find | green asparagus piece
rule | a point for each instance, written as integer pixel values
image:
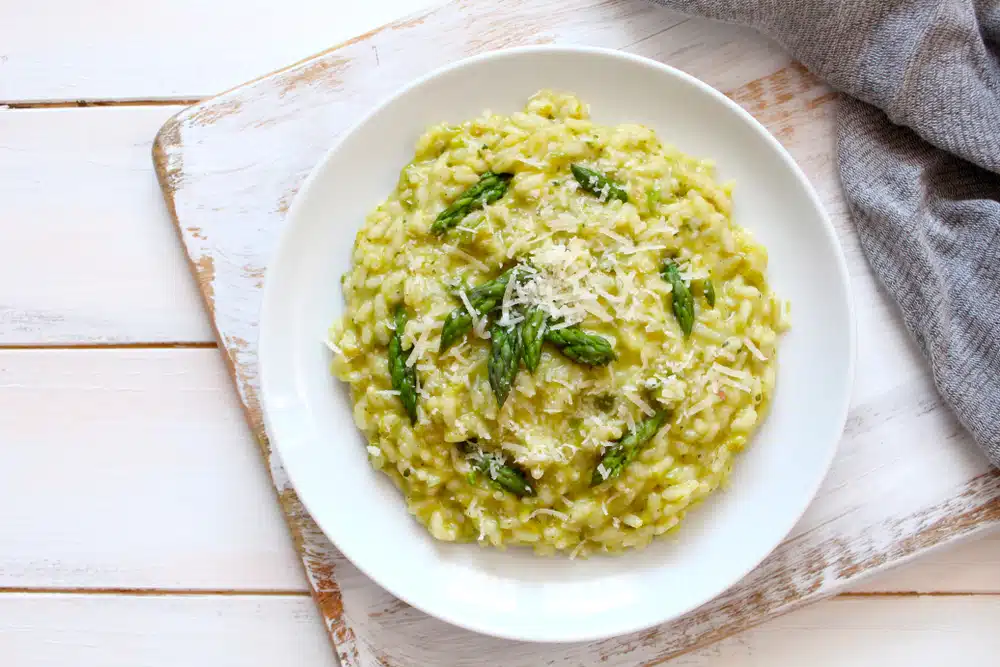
(582, 347)
(709, 290)
(483, 298)
(504, 361)
(532, 337)
(623, 452)
(501, 475)
(705, 288)
(459, 322)
(492, 289)
(490, 188)
(598, 184)
(404, 379)
(683, 302)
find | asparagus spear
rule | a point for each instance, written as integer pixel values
(404, 378)
(683, 302)
(501, 475)
(709, 290)
(582, 347)
(490, 188)
(598, 184)
(705, 288)
(483, 299)
(532, 337)
(623, 452)
(504, 361)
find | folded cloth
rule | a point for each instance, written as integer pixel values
(919, 157)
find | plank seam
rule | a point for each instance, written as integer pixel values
(154, 592)
(83, 104)
(916, 594)
(179, 345)
(250, 592)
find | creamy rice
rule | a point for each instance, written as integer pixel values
(601, 259)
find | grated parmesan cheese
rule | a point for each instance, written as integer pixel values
(615, 237)
(627, 414)
(458, 252)
(545, 510)
(630, 394)
(703, 404)
(730, 382)
(505, 304)
(738, 375)
(425, 327)
(754, 350)
(473, 313)
(642, 248)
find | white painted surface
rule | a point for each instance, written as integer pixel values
(42, 630)
(39, 630)
(88, 250)
(182, 49)
(133, 468)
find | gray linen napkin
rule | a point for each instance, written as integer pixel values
(919, 155)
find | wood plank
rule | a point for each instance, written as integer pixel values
(248, 631)
(864, 633)
(133, 468)
(39, 630)
(971, 566)
(63, 50)
(90, 254)
(151, 445)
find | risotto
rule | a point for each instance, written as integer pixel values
(554, 334)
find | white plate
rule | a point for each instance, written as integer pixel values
(515, 594)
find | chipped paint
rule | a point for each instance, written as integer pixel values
(779, 100)
(167, 157)
(205, 274)
(286, 201)
(324, 72)
(213, 111)
(255, 274)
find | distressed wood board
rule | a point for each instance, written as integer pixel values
(906, 478)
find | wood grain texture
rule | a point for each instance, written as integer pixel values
(39, 630)
(90, 255)
(970, 566)
(131, 469)
(64, 50)
(230, 167)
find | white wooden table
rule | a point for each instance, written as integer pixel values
(138, 527)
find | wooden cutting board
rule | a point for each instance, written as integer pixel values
(906, 479)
